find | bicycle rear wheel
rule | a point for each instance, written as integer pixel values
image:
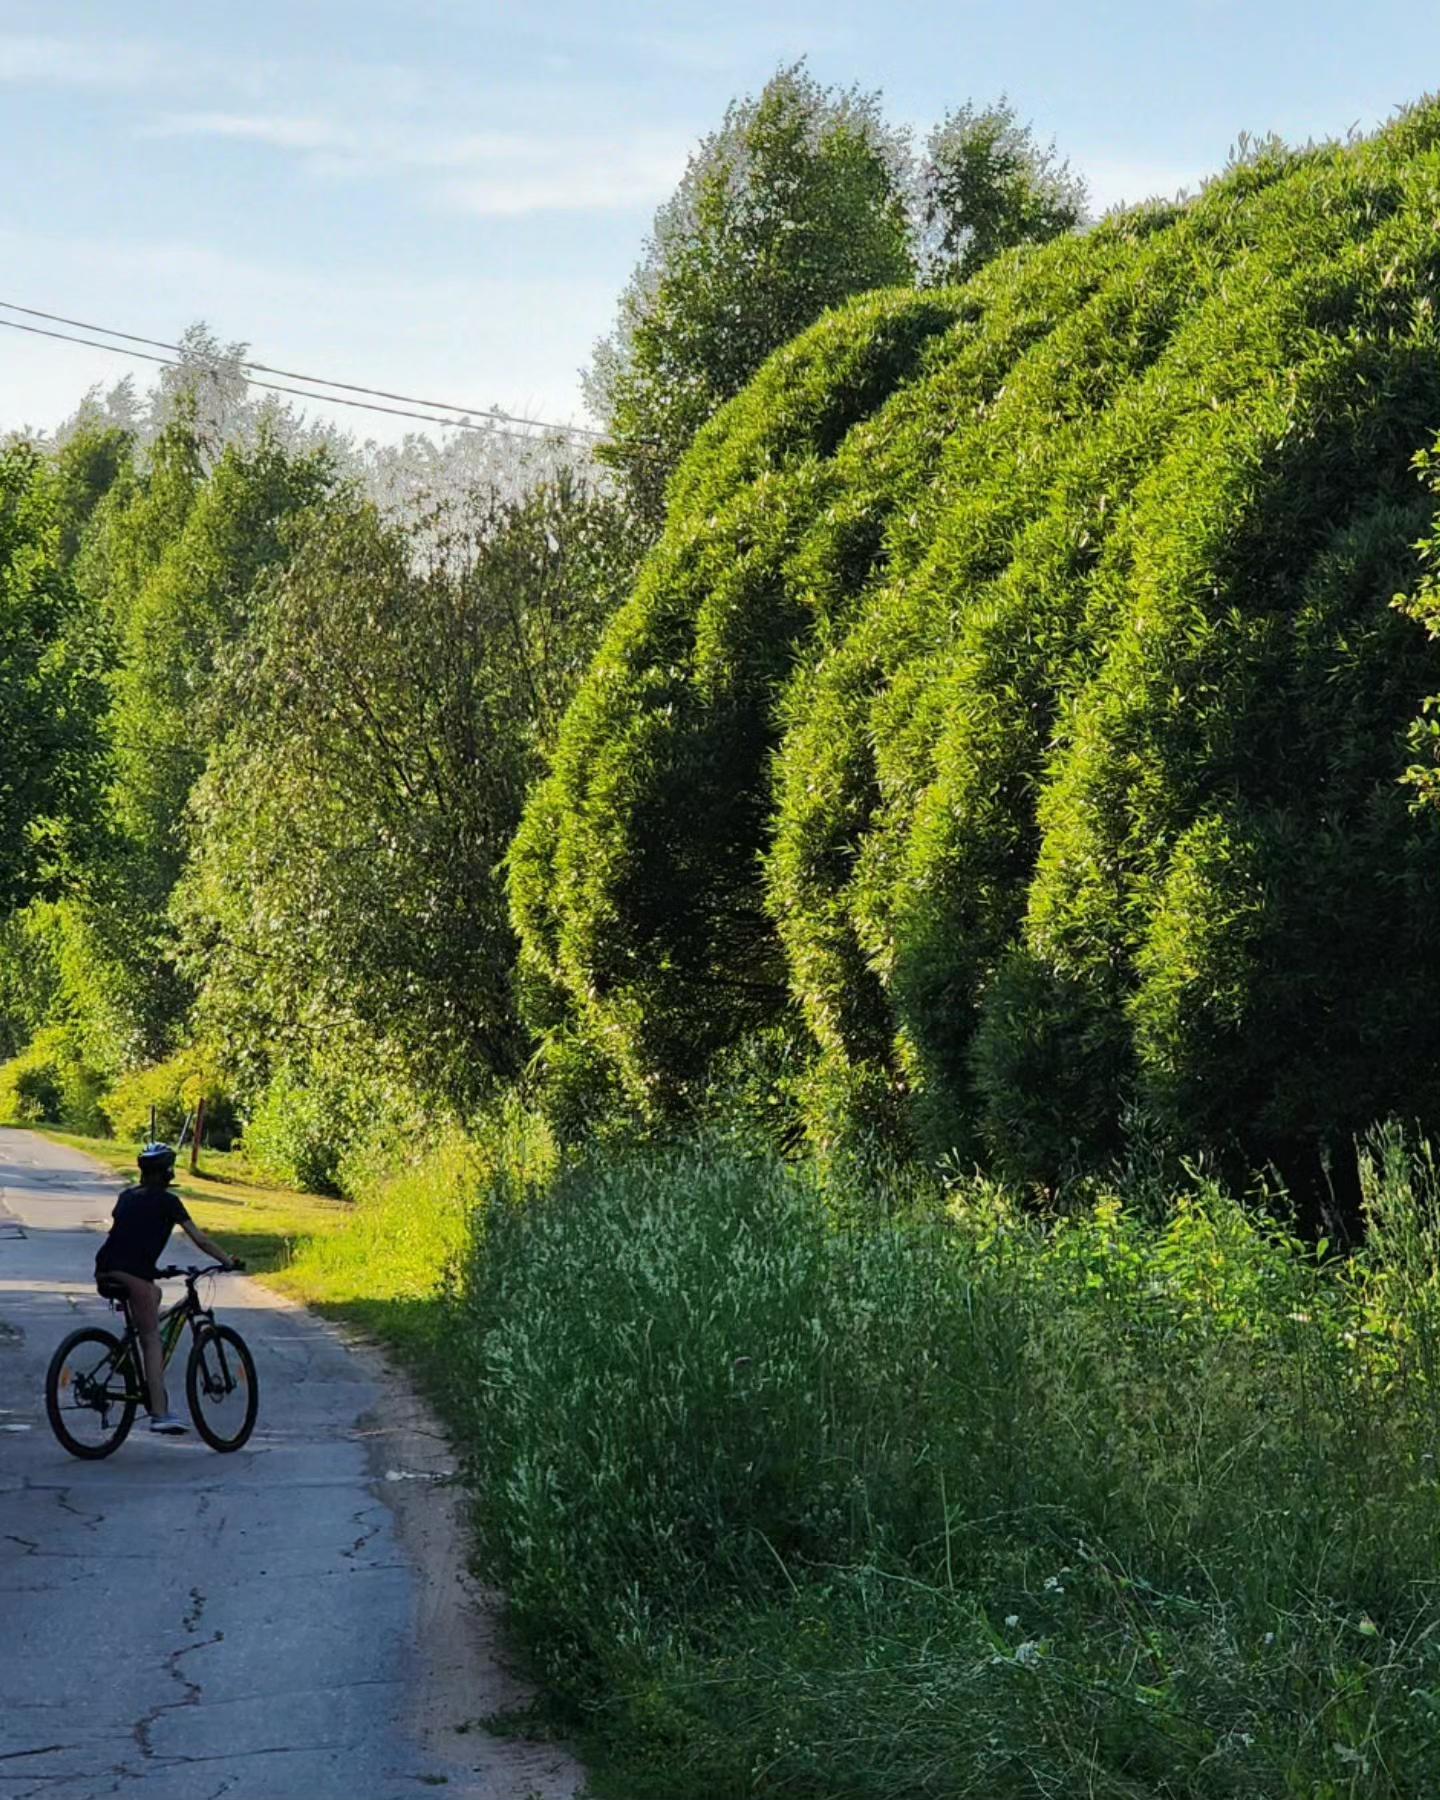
(91, 1393)
(222, 1387)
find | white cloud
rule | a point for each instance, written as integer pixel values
(280, 132)
(29, 59)
(572, 175)
(494, 173)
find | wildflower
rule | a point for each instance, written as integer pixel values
(1027, 1654)
(1011, 1621)
(1269, 1637)
(1053, 1585)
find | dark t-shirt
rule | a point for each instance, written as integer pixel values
(143, 1218)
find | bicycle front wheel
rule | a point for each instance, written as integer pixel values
(91, 1393)
(221, 1386)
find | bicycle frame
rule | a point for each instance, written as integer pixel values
(128, 1361)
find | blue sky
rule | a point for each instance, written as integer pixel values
(445, 196)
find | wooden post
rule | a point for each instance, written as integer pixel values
(152, 1121)
(199, 1131)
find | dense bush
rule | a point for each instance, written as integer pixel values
(50, 1082)
(339, 1120)
(1015, 711)
(790, 1500)
(174, 1090)
(296, 1131)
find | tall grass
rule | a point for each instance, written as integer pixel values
(794, 1495)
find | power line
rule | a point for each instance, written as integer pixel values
(177, 361)
(273, 387)
(493, 412)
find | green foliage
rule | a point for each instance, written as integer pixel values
(988, 186)
(337, 1120)
(297, 1130)
(1014, 712)
(140, 515)
(173, 1089)
(29, 975)
(50, 683)
(388, 713)
(796, 203)
(194, 602)
(173, 561)
(86, 467)
(787, 1498)
(652, 794)
(50, 1082)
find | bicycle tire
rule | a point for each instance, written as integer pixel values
(220, 1339)
(55, 1412)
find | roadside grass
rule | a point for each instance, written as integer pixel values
(376, 1263)
(252, 1219)
(385, 1265)
(795, 1492)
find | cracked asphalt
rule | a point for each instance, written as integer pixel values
(260, 1624)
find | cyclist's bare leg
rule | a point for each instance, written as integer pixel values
(145, 1311)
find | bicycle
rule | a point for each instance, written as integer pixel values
(95, 1374)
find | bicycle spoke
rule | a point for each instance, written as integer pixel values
(92, 1391)
(220, 1384)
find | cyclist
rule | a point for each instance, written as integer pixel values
(144, 1217)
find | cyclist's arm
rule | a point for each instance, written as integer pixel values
(205, 1244)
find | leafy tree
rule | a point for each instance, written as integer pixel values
(987, 185)
(798, 201)
(1014, 711)
(50, 681)
(87, 466)
(196, 600)
(391, 711)
(173, 562)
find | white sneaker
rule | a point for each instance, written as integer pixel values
(167, 1425)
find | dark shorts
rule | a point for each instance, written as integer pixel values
(104, 1269)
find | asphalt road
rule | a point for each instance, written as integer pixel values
(259, 1624)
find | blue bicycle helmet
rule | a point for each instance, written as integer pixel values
(155, 1159)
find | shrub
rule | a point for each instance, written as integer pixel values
(340, 1121)
(174, 1089)
(1016, 686)
(395, 1260)
(294, 1134)
(50, 1083)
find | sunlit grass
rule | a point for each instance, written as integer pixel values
(376, 1263)
(253, 1220)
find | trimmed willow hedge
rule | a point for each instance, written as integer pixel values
(1015, 712)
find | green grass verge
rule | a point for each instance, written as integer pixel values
(252, 1219)
(375, 1264)
(791, 1492)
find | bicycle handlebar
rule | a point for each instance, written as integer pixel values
(195, 1274)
